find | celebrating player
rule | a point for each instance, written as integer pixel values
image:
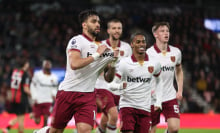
(86, 59)
(170, 59)
(136, 72)
(108, 100)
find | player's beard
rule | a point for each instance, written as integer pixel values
(93, 32)
(114, 38)
(47, 70)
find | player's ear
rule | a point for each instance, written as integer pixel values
(155, 35)
(83, 24)
(108, 31)
(132, 45)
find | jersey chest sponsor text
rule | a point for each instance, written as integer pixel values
(167, 68)
(107, 54)
(138, 79)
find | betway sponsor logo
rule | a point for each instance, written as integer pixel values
(138, 79)
(167, 68)
(103, 55)
(107, 54)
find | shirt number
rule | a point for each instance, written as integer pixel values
(16, 80)
(176, 109)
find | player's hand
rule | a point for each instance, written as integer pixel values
(101, 49)
(116, 53)
(124, 85)
(156, 108)
(179, 96)
(117, 86)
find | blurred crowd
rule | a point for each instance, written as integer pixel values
(38, 30)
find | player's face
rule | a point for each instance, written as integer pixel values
(92, 25)
(139, 44)
(115, 30)
(47, 65)
(26, 66)
(162, 34)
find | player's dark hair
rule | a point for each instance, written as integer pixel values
(84, 15)
(21, 62)
(138, 33)
(158, 24)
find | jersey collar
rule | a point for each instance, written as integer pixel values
(135, 60)
(158, 50)
(89, 39)
(108, 42)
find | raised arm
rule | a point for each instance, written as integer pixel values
(76, 62)
(109, 71)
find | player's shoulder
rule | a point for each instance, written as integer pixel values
(39, 72)
(126, 46)
(152, 60)
(125, 59)
(53, 75)
(76, 38)
(76, 41)
(151, 51)
(124, 43)
(174, 49)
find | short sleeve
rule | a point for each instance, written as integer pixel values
(120, 68)
(75, 44)
(179, 57)
(157, 69)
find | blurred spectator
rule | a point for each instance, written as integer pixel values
(201, 83)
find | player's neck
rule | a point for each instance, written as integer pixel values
(46, 72)
(162, 46)
(114, 43)
(23, 69)
(90, 36)
(139, 56)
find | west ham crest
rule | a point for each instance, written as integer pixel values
(172, 58)
(150, 69)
